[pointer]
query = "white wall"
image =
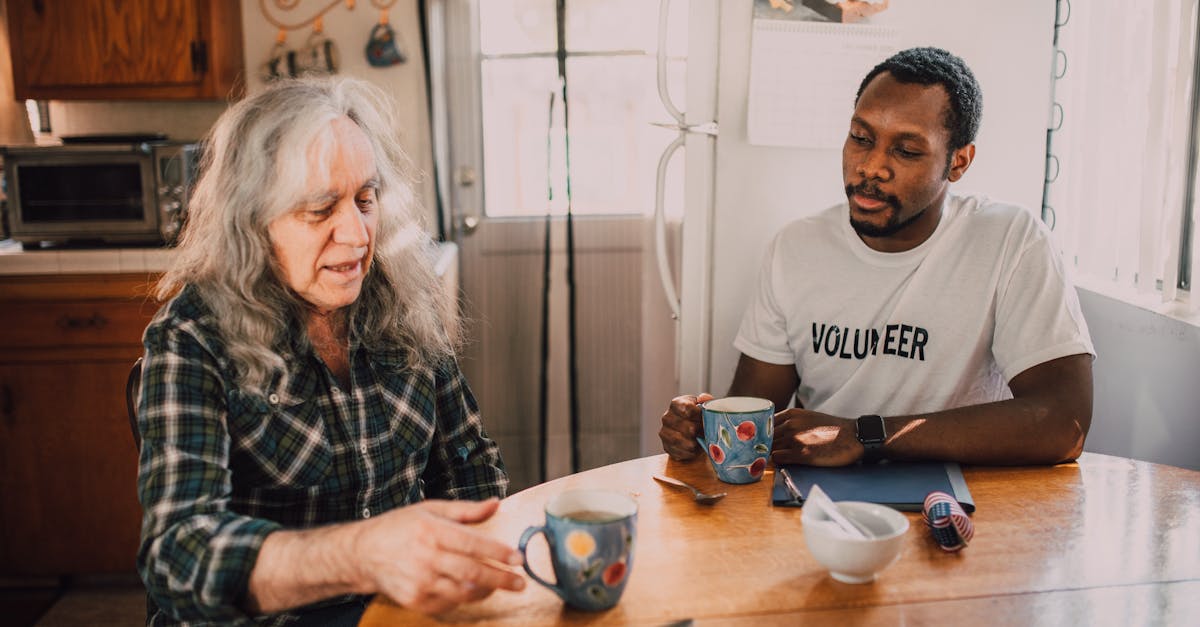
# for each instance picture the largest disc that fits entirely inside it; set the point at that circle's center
(348, 29)
(1147, 381)
(758, 189)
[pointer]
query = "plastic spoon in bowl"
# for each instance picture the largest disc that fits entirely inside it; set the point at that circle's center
(820, 501)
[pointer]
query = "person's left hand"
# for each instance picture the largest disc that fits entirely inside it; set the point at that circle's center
(807, 437)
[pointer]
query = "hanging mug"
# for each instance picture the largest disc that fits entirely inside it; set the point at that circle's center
(318, 56)
(382, 47)
(280, 63)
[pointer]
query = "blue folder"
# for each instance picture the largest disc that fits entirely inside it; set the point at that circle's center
(900, 485)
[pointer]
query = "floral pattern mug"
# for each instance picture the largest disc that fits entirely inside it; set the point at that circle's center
(737, 437)
(591, 535)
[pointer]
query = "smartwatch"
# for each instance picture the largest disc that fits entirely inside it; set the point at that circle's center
(871, 434)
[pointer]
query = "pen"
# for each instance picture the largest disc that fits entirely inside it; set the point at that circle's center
(791, 487)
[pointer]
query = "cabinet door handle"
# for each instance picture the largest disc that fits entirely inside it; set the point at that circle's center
(95, 321)
(6, 401)
(199, 57)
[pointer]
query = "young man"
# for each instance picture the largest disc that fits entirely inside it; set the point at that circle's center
(910, 323)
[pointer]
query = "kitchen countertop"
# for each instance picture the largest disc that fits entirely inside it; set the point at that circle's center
(15, 260)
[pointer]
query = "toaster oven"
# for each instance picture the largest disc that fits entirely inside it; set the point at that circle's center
(118, 193)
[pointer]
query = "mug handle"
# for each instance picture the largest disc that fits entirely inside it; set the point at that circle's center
(525, 538)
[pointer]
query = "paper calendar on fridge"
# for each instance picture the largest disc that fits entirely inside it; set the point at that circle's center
(803, 78)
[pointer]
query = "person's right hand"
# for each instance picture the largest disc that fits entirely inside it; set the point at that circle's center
(682, 423)
(425, 558)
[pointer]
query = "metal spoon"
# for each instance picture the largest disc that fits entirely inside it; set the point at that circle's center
(701, 498)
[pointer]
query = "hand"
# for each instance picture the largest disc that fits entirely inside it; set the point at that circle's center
(424, 557)
(682, 423)
(807, 437)
(855, 10)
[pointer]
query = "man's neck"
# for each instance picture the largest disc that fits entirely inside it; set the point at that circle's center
(330, 338)
(913, 234)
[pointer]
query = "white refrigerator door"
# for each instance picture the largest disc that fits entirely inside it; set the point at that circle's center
(680, 283)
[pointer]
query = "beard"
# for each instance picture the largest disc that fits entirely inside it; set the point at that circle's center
(893, 225)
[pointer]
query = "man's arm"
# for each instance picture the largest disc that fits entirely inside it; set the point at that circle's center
(776, 382)
(421, 556)
(464, 463)
(1045, 422)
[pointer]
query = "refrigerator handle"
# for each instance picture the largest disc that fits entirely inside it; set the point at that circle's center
(664, 12)
(683, 128)
(660, 224)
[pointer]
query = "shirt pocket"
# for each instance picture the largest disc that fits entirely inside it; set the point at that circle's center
(279, 444)
(407, 401)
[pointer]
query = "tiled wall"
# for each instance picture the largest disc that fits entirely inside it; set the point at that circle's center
(179, 120)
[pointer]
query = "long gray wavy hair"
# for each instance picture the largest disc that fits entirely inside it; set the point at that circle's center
(253, 170)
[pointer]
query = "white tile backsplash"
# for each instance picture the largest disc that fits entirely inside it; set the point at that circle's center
(89, 261)
(186, 120)
(108, 261)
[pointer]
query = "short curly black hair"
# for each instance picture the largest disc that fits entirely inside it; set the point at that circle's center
(934, 66)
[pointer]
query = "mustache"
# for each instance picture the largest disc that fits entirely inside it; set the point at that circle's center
(872, 191)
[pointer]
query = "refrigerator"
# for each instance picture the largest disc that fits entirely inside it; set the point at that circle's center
(751, 166)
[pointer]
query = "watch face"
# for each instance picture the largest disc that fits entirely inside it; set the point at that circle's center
(870, 429)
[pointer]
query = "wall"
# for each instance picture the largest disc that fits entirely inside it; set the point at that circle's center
(348, 29)
(1147, 401)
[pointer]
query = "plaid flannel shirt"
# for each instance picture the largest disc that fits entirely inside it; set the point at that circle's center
(221, 468)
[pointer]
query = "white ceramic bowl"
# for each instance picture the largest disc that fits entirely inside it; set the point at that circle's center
(856, 560)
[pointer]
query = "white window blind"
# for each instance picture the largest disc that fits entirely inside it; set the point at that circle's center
(1123, 142)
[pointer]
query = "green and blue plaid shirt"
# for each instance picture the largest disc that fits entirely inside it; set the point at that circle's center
(221, 468)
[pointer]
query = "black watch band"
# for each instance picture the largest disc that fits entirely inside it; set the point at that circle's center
(871, 434)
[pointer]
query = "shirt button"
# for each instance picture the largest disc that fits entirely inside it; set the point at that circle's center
(274, 398)
(366, 512)
(363, 448)
(335, 389)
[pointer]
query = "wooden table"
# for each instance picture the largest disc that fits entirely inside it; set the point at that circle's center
(1105, 540)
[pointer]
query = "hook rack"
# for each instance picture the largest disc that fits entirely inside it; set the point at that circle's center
(289, 5)
(286, 6)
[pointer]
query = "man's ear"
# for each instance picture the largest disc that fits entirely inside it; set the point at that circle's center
(960, 161)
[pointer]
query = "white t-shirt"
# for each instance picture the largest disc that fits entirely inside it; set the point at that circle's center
(946, 324)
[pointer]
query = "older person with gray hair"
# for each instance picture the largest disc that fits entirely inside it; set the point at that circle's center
(301, 402)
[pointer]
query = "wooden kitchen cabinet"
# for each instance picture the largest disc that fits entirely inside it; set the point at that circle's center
(132, 49)
(68, 464)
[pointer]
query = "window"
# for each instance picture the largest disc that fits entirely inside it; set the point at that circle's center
(611, 63)
(1121, 169)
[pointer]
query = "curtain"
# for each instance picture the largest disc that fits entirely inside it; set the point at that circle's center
(1122, 140)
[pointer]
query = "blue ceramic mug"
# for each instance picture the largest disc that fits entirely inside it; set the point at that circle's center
(383, 47)
(590, 534)
(737, 437)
